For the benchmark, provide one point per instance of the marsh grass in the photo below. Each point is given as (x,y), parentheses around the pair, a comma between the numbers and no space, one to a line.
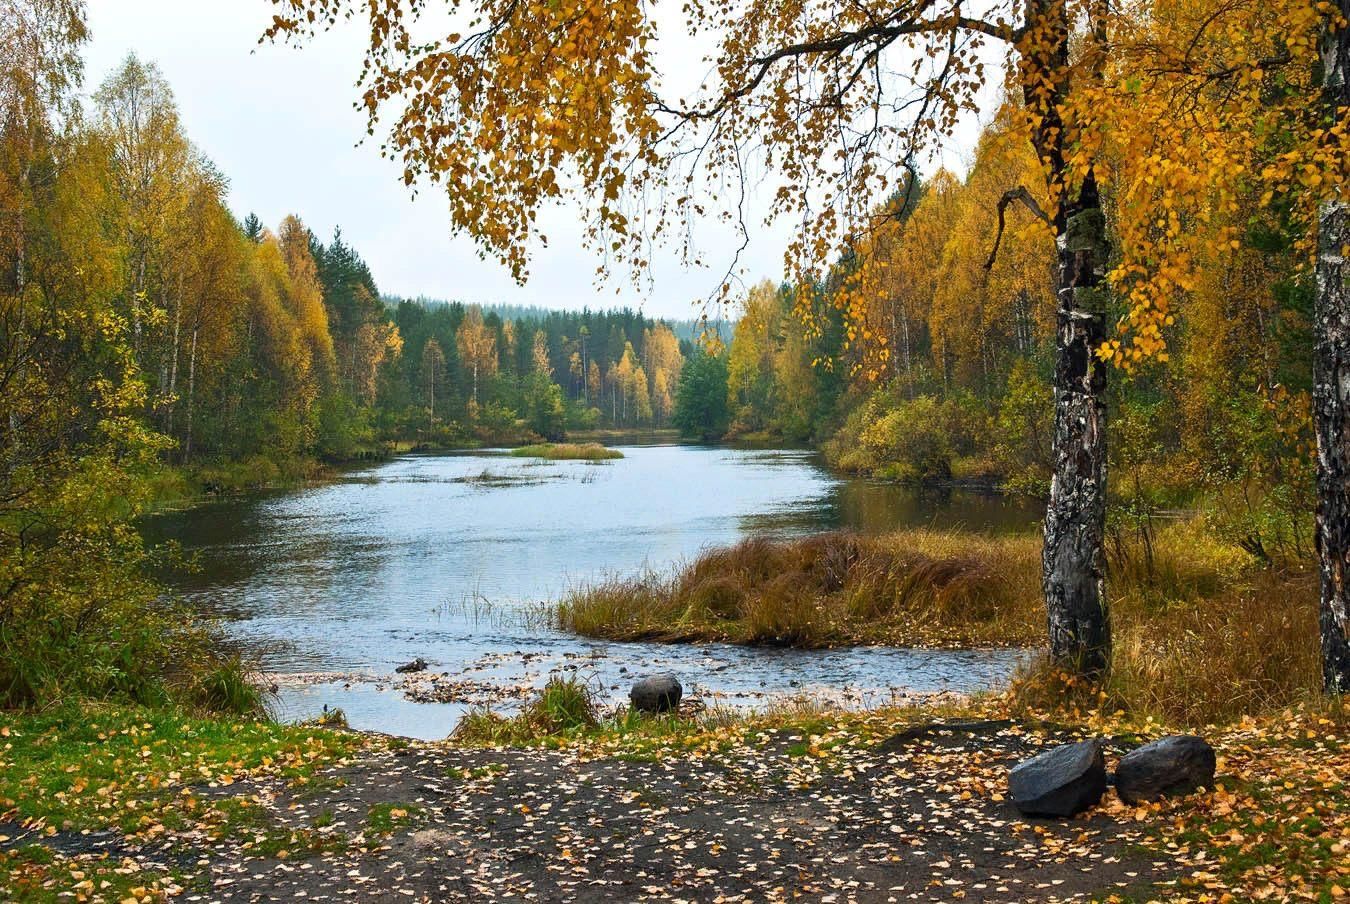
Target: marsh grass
(230,687)
(568,452)
(1203,630)
(915,587)
(565,706)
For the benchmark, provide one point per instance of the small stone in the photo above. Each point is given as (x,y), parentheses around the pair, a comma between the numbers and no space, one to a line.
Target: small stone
(1176,764)
(417,665)
(656,693)
(1062,781)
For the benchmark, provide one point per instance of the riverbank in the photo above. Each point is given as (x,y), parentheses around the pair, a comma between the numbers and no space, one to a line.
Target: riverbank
(141,805)
(1203,629)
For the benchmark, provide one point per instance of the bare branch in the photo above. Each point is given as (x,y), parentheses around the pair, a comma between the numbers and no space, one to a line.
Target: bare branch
(1019,193)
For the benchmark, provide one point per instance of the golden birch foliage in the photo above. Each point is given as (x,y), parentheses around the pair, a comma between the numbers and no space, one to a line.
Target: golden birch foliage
(532,101)
(974,306)
(1200,103)
(593,382)
(376,344)
(305,298)
(539,354)
(569,86)
(664,364)
(750,342)
(898,275)
(477,347)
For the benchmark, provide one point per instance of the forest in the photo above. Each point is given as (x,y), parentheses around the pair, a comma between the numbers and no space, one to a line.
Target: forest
(156,345)
(1129,309)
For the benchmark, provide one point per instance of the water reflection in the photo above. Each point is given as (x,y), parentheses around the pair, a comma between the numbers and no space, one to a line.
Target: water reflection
(439,557)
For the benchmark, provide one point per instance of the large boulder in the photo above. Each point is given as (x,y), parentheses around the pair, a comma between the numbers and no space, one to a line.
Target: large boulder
(656,693)
(1061,781)
(1177,764)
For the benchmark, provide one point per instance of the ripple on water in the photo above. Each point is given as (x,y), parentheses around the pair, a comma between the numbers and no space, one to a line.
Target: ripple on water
(410,558)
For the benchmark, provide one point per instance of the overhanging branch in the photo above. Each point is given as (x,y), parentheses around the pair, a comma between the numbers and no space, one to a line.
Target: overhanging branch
(1019,193)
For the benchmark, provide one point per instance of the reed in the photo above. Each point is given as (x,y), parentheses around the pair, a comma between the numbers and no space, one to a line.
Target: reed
(1203,631)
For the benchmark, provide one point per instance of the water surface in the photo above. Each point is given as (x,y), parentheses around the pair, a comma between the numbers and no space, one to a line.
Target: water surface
(442,557)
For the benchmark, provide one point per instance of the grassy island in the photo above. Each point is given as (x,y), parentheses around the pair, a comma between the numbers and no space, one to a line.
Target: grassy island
(568,452)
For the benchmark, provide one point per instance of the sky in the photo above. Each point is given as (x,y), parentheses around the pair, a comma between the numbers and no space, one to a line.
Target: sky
(279,123)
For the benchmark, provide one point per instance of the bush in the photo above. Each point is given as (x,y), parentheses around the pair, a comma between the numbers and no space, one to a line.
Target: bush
(565,707)
(907,439)
(79,617)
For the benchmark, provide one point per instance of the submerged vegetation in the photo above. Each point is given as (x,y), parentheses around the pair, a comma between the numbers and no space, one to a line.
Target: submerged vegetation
(568,452)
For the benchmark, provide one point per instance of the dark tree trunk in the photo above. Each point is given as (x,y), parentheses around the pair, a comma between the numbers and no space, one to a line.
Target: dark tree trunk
(1331,393)
(1072,559)
(192,394)
(1075,519)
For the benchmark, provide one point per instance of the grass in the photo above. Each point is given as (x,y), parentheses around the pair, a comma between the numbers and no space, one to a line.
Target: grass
(564,707)
(1203,632)
(150,774)
(568,452)
(130,768)
(915,587)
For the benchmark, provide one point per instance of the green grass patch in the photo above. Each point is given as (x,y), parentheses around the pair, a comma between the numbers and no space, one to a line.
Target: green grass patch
(387,818)
(134,769)
(568,452)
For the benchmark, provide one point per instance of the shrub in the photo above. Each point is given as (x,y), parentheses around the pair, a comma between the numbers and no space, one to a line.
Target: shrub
(564,707)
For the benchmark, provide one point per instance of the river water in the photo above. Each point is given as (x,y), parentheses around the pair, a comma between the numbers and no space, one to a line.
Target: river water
(445,558)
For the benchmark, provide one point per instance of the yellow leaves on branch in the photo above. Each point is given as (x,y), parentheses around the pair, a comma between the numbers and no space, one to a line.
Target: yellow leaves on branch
(532,102)
(1204,116)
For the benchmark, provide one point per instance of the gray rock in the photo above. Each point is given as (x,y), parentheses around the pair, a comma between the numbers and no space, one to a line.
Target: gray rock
(1062,781)
(656,693)
(417,665)
(1177,764)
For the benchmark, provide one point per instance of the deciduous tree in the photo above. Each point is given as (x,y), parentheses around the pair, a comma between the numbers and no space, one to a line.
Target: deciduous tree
(838,98)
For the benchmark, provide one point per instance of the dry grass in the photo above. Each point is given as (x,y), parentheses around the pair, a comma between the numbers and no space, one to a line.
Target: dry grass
(1209,637)
(915,587)
(1202,634)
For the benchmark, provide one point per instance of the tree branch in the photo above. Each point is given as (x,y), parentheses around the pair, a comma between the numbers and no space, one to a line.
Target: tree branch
(1019,193)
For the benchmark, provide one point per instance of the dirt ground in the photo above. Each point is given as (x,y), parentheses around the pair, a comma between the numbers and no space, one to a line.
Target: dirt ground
(918,818)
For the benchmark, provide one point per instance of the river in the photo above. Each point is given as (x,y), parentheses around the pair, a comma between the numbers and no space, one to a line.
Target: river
(445,557)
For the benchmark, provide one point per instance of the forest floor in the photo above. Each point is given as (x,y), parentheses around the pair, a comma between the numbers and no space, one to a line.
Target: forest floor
(830,808)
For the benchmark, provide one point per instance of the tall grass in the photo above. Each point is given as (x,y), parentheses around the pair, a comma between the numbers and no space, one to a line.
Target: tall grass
(1204,631)
(913,587)
(568,452)
(565,706)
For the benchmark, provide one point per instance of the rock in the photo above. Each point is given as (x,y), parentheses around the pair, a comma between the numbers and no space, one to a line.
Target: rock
(1177,764)
(656,693)
(417,665)
(1061,781)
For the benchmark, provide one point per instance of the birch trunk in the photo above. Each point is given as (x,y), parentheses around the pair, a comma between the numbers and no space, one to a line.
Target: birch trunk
(192,393)
(1072,559)
(1075,518)
(1331,391)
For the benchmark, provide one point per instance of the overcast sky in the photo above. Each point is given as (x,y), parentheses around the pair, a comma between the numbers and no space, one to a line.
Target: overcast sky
(279,123)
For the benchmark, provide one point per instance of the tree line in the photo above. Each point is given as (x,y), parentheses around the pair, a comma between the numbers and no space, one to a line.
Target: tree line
(145,331)
(1147,129)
